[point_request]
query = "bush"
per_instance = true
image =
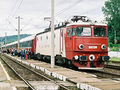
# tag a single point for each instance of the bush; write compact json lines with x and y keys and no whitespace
{"x":114,"y":48}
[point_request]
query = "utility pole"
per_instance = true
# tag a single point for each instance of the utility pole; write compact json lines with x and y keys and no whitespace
{"x":18,"y":34}
{"x":1,"y":43}
{"x":52,"y":35}
{"x":5,"y":40}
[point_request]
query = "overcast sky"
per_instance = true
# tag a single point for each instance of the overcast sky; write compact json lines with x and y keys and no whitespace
{"x":33,"y":12}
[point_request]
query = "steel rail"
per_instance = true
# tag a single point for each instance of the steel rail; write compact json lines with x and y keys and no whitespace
{"x":112,"y":67}
{"x":62,"y":86}
{"x":112,"y":74}
{"x":115,"y":62}
{"x":26,"y":82}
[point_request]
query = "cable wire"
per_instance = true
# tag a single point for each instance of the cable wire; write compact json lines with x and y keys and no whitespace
{"x":17,"y":8}
{"x":13,"y":7}
{"x":67,"y":8}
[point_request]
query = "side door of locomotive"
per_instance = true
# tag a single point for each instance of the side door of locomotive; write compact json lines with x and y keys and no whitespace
{"x":69,"y":42}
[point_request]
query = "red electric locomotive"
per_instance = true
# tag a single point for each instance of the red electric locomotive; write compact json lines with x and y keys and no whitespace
{"x":86,"y":45}
{"x":82,"y":44}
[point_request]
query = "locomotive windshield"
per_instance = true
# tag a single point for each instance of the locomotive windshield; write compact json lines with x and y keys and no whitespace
{"x":99,"y":31}
{"x":83,"y":31}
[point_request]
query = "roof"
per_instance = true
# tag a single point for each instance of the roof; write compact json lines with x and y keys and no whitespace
{"x":49,"y":29}
{"x":86,"y":23}
{"x":72,"y":23}
{"x":29,"y":38}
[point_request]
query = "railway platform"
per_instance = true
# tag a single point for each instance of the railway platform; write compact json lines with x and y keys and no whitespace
{"x":5,"y":80}
{"x":83,"y":80}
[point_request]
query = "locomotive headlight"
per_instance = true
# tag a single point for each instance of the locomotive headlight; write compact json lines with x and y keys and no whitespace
{"x":103,"y":47}
{"x":91,"y":57}
{"x":81,"y":46}
{"x":76,"y":57}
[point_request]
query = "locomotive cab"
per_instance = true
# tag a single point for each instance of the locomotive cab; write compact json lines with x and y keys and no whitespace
{"x":86,"y":45}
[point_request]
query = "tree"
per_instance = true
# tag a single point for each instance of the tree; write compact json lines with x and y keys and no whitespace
{"x":111,"y":11}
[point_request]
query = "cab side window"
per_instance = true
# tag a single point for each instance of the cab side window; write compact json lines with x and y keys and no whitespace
{"x":69,"y":32}
{"x":73,"y":31}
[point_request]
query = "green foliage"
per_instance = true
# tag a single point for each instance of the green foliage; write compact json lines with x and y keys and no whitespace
{"x":114,"y":48}
{"x":112,"y":12}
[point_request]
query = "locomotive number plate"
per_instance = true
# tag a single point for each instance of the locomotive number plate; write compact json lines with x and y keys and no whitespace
{"x":92,"y":47}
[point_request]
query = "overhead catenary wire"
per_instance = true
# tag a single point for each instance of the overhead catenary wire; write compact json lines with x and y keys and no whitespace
{"x":67,"y":8}
{"x":61,"y":11}
{"x":17,"y":8}
{"x":8,"y":17}
{"x":79,"y":13}
{"x":41,"y":16}
{"x":82,"y":13}
{"x":13,"y":7}
{"x":46,"y":11}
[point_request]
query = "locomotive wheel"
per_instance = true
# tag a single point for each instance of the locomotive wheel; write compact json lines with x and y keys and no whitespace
{"x":46,"y":59}
{"x":59,"y":60}
{"x":69,"y":64}
{"x":39,"y":57}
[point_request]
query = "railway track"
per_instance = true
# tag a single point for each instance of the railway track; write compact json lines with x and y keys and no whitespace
{"x":26,"y":74}
{"x":105,"y":73}
{"x":109,"y":71}
{"x":115,"y":62}
{"x":18,"y":75}
{"x":116,"y":67}
{"x":112,"y":70}
{"x":102,"y":73}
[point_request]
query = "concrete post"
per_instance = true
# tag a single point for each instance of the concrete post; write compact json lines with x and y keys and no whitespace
{"x":52,"y":34}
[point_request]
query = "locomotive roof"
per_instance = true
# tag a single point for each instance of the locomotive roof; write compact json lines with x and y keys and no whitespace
{"x":29,"y":38}
{"x":86,"y":23}
{"x":75,"y":23}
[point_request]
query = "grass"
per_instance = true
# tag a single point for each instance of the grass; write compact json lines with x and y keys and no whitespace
{"x":115,"y":59}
